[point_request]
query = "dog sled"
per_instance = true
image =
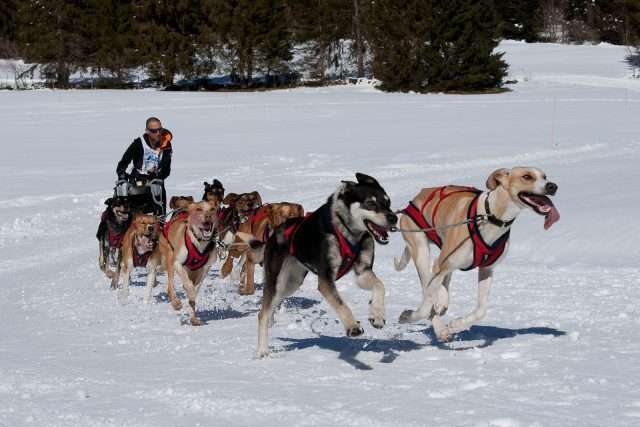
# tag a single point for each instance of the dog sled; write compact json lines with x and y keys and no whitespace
{"x":145,"y":194}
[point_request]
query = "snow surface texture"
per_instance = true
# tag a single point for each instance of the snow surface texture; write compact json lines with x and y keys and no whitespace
{"x":560,"y":343}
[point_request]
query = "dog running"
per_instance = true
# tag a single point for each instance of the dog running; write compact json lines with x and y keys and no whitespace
{"x":471,"y":228}
{"x":330,"y":242}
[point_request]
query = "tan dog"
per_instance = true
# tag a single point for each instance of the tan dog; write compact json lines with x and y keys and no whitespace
{"x":260,"y":226}
{"x":240,"y":208}
{"x":480,"y":241}
{"x":192,"y":238}
{"x":142,"y":246}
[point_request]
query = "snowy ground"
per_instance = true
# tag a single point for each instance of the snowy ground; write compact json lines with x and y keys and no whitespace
{"x":559,"y":346}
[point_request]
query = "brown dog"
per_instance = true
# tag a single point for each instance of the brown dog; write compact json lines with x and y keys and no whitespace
{"x":260,"y":226}
{"x":192,"y":238}
{"x":142,"y":246}
{"x":180,"y":202}
{"x":472,"y":229}
{"x":239,"y":209}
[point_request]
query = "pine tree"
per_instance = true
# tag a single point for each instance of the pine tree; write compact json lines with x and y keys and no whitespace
{"x":425,"y":45}
{"x":110,"y":33}
{"x":464,"y":36}
{"x":50,"y":32}
{"x":400,"y":36}
{"x":255,"y":34}
{"x":521,"y":19}
{"x":322,"y":25}
{"x":167,"y":34}
{"x":8,"y":28}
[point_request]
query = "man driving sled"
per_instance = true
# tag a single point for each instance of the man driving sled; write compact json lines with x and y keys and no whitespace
{"x":151,"y":158}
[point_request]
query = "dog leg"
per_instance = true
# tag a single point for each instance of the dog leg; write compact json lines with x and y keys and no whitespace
{"x":123,"y":293}
{"x":102,"y":261}
{"x":115,"y":275}
{"x":151,"y":282}
{"x":420,"y":253}
{"x":485,"y":277}
{"x":171,"y":293}
{"x":369,"y":281}
{"x":328,"y":290}
{"x":249,"y":285}
{"x":227,"y":267}
{"x":192,"y":291}
{"x":237,"y":271}
{"x":283,"y":276}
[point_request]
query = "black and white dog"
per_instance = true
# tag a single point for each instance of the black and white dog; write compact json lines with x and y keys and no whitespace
{"x":114,"y":223}
{"x":330,"y":242}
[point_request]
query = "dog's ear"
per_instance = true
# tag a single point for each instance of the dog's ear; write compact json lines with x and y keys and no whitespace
{"x":230,"y":199}
{"x":366,"y":180}
{"x":258,"y":199}
{"x":206,"y":186}
{"x":272,"y":214}
{"x":217,"y":183}
{"x":172,"y":201}
{"x":300,"y":210}
{"x":109,"y":201}
{"x":497,"y":178}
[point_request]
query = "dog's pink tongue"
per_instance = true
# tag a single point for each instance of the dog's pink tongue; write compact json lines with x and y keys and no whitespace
{"x":551,"y":218}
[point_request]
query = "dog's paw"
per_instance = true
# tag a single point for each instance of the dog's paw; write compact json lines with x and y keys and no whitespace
{"x":355,"y":331}
{"x":176,"y":304}
{"x":406,"y":316}
{"x":196,"y":322}
{"x":377,"y":323}
{"x":261,"y":354}
{"x":246,"y":290}
{"x":443,"y":336}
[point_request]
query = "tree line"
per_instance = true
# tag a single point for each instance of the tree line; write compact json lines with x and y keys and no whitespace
{"x":420,"y":45}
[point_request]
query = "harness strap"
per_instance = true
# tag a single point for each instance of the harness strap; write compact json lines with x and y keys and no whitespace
{"x":412,"y":212}
{"x":484,"y":255}
{"x":195,"y":258}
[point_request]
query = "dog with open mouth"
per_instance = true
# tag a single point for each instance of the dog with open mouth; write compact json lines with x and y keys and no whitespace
{"x":192,"y":235}
{"x":338,"y":237}
{"x":471,"y":228}
{"x":143,"y":246}
{"x":114,"y":223}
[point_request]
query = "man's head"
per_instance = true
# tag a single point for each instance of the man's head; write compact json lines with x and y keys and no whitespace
{"x":153,"y":130}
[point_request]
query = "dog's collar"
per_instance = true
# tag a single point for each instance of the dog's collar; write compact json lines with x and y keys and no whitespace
{"x":494,"y":219}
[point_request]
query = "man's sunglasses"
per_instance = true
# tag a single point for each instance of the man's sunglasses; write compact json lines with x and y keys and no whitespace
{"x":155,"y":130}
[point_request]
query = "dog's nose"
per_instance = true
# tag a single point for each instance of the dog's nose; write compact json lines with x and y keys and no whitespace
{"x":392,"y":218}
{"x":551,"y":188}
{"x":150,"y":228}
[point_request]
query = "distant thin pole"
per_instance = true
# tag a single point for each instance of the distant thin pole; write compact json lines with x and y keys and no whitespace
{"x":553,"y":123}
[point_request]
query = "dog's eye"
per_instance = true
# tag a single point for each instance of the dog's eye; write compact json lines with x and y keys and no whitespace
{"x":370,"y":205}
{"x":527,"y":177}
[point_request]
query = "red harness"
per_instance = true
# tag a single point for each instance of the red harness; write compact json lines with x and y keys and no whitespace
{"x":348,"y":251}
{"x":114,"y":235}
{"x":141,"y":260}
{"x":484,"y":255}
{"x":195,"y":258}
{"x":258,"y":216}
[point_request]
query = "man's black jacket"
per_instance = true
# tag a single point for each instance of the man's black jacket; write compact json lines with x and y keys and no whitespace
{"x":134,"y":154}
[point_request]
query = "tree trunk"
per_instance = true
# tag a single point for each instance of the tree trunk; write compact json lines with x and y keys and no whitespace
{"x":358,"y":34}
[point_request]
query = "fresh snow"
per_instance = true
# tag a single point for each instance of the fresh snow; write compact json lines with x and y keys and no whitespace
{"x":559,"y":346}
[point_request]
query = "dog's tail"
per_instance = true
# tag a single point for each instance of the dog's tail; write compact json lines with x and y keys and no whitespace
{"x":255,"y":246}
{"x":401,"y":263}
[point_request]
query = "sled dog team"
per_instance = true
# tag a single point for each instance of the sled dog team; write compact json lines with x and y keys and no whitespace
{"x":469,"y":226}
